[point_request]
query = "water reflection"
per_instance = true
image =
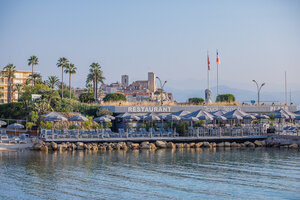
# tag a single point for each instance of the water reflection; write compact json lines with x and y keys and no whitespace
{"x":164,"y":173}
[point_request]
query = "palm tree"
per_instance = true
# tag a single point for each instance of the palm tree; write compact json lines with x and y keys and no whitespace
{"x":62,"y":62}
{"x":70,"y":69}
{"x":95,"y":75}
{"x":33,"y":60}
{"x":18,"y":89}
{"x":35,"y":78}
{"x":52,"y":81}
{"x":9,"y":72}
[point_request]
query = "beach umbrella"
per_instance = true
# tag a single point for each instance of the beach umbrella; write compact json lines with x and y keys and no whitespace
{"x":102,"y":119}
{"x":15,"y":126}
{"x":206,"y":116}
{"x":2,"y":123}
{"x":261,"y":116}
{"x":52,"y":114}
{"x":109,"y":117}
{"x":162,"y":116}
{"x":131,"y":118}
{"x":173,"y":117}
{"x":297,"y":117}
{"x":280,"y":114}
{"x":235,"y":114}
{"x":191,"y":119}
{"x":55,"y":118}
{"x":218,"y":112}
{"x":181,"y":113}
{"x":123,"y":115}
{"x":79,"y":118}
{"x":200,"y":113}
{"x":297,"y":112}
{"x":142,"y":117}
{"x":290,"y":114}
{"x":249,"y":117}
{"x":219,"y":117}
{"x":152,"y":118}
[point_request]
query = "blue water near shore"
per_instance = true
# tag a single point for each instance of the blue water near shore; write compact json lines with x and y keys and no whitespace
{"x":162,"y":174}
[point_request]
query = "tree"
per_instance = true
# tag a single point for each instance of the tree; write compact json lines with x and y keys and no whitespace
{"x":196,"y":100}
{"x":87,"y":97}
{"x":33,"y":60}
{"x":114,"y":97}
{"x":35,"y":78}
{"x":70,"y":69}
{"x":9,"y":73}
{"x":63,"y":63}
{"x":95,"y":76}
{"x":52,"y":81}
{"x":18,"y":89}
{"x":225,"y":98}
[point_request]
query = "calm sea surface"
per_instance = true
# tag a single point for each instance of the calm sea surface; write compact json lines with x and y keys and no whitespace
{"x":163,"y":174}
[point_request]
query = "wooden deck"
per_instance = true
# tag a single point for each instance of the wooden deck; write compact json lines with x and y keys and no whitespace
{"x":153,"y":139}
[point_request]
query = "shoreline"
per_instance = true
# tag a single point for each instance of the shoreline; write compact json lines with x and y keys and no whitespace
{"x":271,"y":141}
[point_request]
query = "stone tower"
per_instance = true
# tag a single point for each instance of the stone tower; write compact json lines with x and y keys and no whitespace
{"x":125,"y":80}
{"x":151,"y":82}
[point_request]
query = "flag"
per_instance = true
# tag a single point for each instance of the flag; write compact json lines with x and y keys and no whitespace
{"x":218,"y":59}
{"x":208,"y":63}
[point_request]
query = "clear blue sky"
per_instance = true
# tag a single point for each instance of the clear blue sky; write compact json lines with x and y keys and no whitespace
{"x":257,"y":39}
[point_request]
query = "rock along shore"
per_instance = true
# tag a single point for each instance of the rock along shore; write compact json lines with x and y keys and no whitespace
{"x":272,"y":141}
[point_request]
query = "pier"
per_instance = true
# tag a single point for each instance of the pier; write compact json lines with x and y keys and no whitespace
{"x":153,"y":139}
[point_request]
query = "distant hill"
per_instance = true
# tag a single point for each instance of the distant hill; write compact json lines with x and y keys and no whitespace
{"x":182,"y":95}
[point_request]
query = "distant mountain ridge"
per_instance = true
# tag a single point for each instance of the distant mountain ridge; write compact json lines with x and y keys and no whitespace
{"x":241,"y":95}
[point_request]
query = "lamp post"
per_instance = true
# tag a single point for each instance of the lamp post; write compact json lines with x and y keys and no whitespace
{"x":162,"y":89}
{"x":258,"y":89}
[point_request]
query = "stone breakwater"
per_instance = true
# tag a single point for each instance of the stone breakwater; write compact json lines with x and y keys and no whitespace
{"x":68,"y":146}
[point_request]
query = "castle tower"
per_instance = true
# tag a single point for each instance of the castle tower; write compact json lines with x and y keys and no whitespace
{"x":125,"y":80}
{"x":151,"y":82}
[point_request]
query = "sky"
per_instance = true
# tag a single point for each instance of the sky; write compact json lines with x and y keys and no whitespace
{"x":257,"y":39}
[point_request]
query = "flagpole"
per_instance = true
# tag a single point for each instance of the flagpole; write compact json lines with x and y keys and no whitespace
{"x":207,"y":71}
{"x":217,"y":79}
{"x":217,"y":60}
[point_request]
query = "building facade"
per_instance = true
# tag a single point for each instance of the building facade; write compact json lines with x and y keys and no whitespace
{"x":20,"y":78}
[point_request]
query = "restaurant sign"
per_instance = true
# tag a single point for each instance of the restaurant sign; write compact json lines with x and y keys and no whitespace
{"x":147,"y":109}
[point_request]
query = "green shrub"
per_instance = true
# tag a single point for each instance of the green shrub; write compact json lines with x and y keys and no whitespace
{"x":114,"y":97}
{"x":46,"y":125}
{"x":29,"y":125}
{"x":196,"y":100}
{"x":108,"y":125}
{"x":225,"y":98}
{"x":13,"y":110}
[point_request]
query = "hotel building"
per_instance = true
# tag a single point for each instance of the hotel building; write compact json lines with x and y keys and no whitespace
{"x":20,"y":78}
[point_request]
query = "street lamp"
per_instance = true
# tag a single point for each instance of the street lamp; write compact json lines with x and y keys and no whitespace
{"x":258,"y":89}
{"x":162,"y":89}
